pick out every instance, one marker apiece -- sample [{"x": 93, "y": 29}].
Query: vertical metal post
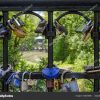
[
  {"x": 50, "y": 46},
  {"x": 96, "y": 47},
  {"x": 5, "y": 51},
  {"x": 50, "y": 52},
  {"x": 50, "y": 39}
]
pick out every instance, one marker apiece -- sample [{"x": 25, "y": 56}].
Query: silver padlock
[
  {"x": 73, "y": 85},
  {"x": 30, "y": 81},
  {"x": 64, "y": 87},
  {"x": 41, "y": 26},
  {"x": 3, "y": 72},
  {"x": 24, "y": 84}
]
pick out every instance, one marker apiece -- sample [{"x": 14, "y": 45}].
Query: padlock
[
  {"x": 87, "y": 27},
  {"x": 64, "y": 86},
  {"x": 88, "y": 34},
  {"x": 59, "y": 84},
  {"x": 20, "y": 22},
  {"x": 50, "y": 83},
  {"x": 3, "y": 30},
  {"x": 35, "y": 82},
  {"x": 70, "y": 86},
  {"x": 87, "y": 30},
  {"x": 41, "y": 26},
  {"x": 16, "y": 26},
  {"x": 17, "y": 22},
  {"x": 19, "y": 32},
  {"x": 73, "y": 85},
  {"x": 56, "y": 84},
  {"x": 30, "y": 82},
  {"x": 50, "y": 73},
  {"x": 14, "y": 80},
  {"x": 3, "y": 72},
  {"x": 60, "y": 28},
  {"x": 24, "y": 84}
]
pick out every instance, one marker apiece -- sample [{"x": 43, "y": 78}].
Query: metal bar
[
  {"x": 5, "y": 88},
  {"x": 50, "y": 39},
  {"x": 51, "y": 8},
  {"x": 38, "y": 75},
  {"x": 48, "y": 3},
  {"x": 50, "y": 52},
  {"x": 50, "y": 45},
  {"x": 96, "y": 47}
]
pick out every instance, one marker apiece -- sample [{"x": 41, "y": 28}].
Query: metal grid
[{"x": 50, "y": 6}]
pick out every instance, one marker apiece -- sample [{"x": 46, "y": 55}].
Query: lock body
[
  {"x": 24, "y": 86},
  {"x": 71, "y": 86},
  {"x": 16, "y": 82},
  {"x": 30, "y": 82},
  {"x": 41, "y": 26},
  {"x": 3, "y": 72},
  {"x": 16, "y": 26}
]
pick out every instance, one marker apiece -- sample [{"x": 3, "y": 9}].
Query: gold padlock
[
  {"x": 87, "y": 34},
  {"x": 30, "y": 82},
  {"x": 19, "y": 32},
  {"x": 57, "y": 84}
]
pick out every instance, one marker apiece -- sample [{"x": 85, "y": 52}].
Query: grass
[{"x": 33, "y": 56}]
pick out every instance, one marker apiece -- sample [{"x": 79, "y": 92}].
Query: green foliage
[
  {"x": 31, "y": 22},
  {"x": 72, "y": 51},
  {"x": 41, "y": 86},
  {"x": 69, "y": 51},
  {"x": 43, "y": 63},
  {"x": 60, "y": 49},
  {"x": 71, "y": 48}
]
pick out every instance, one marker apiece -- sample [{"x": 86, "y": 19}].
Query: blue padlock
[
  {"x": 14, "y": 80},
  {"x": 50, "y": 73}
]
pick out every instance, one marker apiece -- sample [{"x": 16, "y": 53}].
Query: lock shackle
[
  {"x": 24, "y": 75},
  {"x": 86, "y": 36},
  {"x": 24, "y": 85},
  {"x": 30, "y": 75},
  {"x": 10, "y": 77},
  {"x": 62, "y": 75}
]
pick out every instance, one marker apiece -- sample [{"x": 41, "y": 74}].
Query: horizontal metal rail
[
  {"x": 78, "y": 75},
  {"x": 47, "y": 5}
]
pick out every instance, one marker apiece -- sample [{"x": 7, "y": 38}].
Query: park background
[{"x": 70, "y": 52}]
